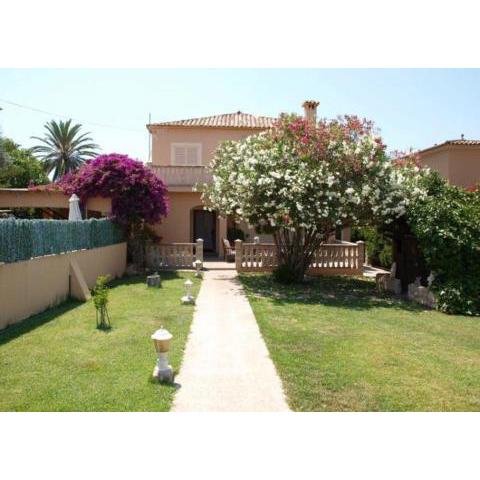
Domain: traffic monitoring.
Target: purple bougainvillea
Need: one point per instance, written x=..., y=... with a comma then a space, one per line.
x=137, y=193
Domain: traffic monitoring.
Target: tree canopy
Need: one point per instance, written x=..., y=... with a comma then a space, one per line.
x=64, y=149
x=137, y=193
x=19, y=168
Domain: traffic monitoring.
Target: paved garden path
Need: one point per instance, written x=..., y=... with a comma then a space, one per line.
x=226, y=366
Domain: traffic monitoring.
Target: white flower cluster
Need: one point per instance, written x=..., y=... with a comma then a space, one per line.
x=266, y=182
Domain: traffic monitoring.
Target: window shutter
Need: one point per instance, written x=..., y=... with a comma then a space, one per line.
x=192, y=155
x=186, y=154
x=179, y=155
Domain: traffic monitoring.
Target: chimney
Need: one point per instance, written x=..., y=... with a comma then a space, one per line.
x=310, y=109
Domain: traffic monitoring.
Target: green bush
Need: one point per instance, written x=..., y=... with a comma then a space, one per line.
x=377, y=244
x=25, y=239
x=447, y=225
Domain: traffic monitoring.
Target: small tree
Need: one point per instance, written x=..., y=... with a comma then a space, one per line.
x=100, y=300
x=138, y=196
x=300, y=182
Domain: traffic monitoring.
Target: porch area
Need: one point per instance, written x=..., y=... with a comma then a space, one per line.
x=341, y=258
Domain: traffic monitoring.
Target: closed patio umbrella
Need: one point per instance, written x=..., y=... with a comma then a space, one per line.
x=74, y=209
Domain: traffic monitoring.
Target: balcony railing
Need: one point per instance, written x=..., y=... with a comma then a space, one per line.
x=182, y=176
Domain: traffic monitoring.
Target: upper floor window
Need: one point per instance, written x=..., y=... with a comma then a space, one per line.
x=186, y=154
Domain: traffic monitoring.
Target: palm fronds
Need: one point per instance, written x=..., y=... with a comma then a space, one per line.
x=63, y=149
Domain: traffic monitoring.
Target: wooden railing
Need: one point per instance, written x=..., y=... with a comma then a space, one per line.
x=175, y=176
x=174, y=255
x=330, y=259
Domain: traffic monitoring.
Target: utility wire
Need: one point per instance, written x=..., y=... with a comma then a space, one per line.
x=38, y=110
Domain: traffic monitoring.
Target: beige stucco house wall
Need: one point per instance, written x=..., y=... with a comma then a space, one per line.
x=207, y=137
x=458, y=161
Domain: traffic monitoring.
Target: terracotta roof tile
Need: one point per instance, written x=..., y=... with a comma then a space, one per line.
x=226, y=120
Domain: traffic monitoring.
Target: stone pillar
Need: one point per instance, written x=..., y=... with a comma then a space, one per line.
x=238, y=255
x=199, y=249
x=361, y=254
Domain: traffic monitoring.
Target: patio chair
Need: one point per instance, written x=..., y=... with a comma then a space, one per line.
x=228, y=251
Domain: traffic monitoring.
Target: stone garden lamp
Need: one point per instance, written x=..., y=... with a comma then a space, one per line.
x=198, y=266
x=188, y=298
x=162, y=372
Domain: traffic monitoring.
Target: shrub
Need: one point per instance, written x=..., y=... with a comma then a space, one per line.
x=100, y=300
x=447, y=225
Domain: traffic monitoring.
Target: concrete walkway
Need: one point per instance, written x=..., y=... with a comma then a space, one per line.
x=226, y=366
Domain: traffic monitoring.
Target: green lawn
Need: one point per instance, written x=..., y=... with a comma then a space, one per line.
x=59, y=361
x=340, y=346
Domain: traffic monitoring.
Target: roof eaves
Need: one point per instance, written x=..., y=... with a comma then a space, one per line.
x=451, y=143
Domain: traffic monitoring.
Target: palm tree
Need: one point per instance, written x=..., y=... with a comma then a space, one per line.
x=64, y=149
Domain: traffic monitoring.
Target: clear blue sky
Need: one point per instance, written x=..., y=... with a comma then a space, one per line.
x=413, y=108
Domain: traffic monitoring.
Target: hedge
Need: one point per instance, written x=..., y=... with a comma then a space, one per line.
x=25, y=239
x=446, y=224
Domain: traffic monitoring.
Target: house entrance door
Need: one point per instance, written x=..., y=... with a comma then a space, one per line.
x=205, y=227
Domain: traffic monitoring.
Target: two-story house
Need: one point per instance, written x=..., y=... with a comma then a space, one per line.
x=181, y=150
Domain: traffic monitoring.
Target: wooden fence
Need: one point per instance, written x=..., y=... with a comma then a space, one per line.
x=343, y=258
x=174, y=255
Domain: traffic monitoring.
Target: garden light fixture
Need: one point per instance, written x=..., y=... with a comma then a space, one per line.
x=188, y=298
x=162, y=372
x=198, y=264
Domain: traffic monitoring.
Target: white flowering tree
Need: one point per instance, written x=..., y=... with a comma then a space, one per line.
x=300, y=182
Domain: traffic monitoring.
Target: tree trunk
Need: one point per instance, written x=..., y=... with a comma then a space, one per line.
x=295, y=249
x=137, y=245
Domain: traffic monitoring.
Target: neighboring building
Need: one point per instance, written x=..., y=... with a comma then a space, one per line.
x=181, y=151
x=456, y=160
x=50, y=204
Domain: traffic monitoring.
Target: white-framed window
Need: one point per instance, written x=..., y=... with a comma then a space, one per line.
x=186, y=154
